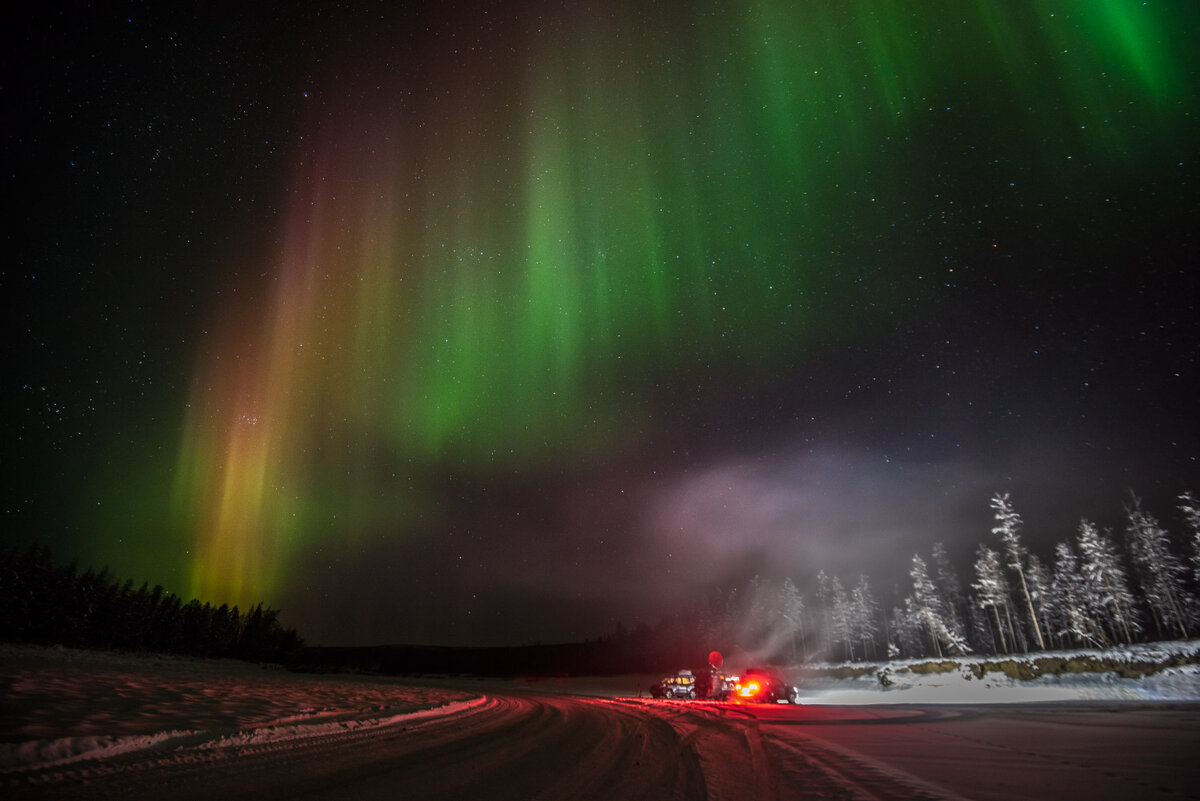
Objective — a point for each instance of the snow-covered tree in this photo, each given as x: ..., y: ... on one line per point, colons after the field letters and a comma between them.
x: 863, y: 611
x: 945, y: 578
x: 1161, y: 574
x: 842, y: 629
x: 991, y: 595
x: 1106, y: 582
x: 924, y: 603
x: 825, y: 611
x: 979, y: 631
x: 906, y: 631
x: 1075, y: 620
x: 1008, y: 524
x: 766, y: 617
x: 1038, y: 580
x: 791, y: 611
x: 932, y: 612
x: 1190, y: 508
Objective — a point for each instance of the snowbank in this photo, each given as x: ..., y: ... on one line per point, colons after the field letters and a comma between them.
x: 1167, y: 671
x: 59, y: 706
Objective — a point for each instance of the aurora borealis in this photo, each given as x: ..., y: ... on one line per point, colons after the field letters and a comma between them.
x: 501, y: 322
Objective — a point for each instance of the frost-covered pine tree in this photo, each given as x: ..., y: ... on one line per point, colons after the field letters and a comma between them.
x: 924, y: 603
x: 1190, y: 508
x: 1074, y: 619
x: 931, y: 611
x: 842, y: 630
x: 991, y: 595
x: 979, y: 631
x: 945, y: 578
x: 906, y: 632
x: 825, y: 612
x: 1161, y: 574
x: 1038, y: 579
x: 1106, y: 583
x: 864, y: 609
x: 791, y: 610
x: 1008, y: 524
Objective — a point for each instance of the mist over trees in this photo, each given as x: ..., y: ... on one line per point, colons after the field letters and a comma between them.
x: 49, y: 604
x: 1097, y: 589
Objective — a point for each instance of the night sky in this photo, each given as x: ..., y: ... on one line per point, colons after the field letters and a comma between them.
x: 501, y: 322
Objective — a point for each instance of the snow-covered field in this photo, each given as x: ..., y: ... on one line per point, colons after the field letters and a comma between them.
x: 82, y: 725
x: 59, y: 706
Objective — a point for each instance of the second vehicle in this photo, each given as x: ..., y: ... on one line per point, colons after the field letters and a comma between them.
x: 765, y: 686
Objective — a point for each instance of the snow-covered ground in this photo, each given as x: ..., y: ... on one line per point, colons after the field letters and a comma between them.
x: 81, y: 725
x: 59, y: 706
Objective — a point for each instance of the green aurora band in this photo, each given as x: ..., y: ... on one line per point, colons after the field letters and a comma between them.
x: 508, y: 259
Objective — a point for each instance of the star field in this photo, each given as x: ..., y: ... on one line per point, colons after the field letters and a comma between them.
x: 493, y: 322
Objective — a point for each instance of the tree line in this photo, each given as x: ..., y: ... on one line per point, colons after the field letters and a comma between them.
x: 49, y: 604
x: 1098, y: 590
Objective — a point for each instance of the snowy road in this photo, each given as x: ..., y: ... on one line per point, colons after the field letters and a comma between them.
x: 988, y: 753
x: 526, y: 746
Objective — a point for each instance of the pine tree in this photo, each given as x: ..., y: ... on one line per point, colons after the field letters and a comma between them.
x: 1160, y: 573
x: 1106, y: 582
x: 825, y: 612
x: 1008, y: 525
x: 864, y: 609
x: 924, y: 603
x: 979, y: 631
x: 932, y: 612
x: 1190, y: 508
x: 906, y: 631
x: 991, y: 595
x: 842, y: 630
x: 1074, y: 617
x: 791, y: 611
x: 945, y: 578
x: 1039, y: 591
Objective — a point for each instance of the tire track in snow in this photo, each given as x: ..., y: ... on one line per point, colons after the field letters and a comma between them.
x: 168, y: 750
x: 785, y: 765
x: 506, y: 747
x: 863, y: 778
x: 527, y: 746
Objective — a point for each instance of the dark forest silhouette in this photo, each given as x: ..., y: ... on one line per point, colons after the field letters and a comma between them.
x: 48, y: 604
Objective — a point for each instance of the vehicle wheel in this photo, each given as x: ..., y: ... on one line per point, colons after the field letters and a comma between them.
x: 692, y: 695
x: 792, y: 698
